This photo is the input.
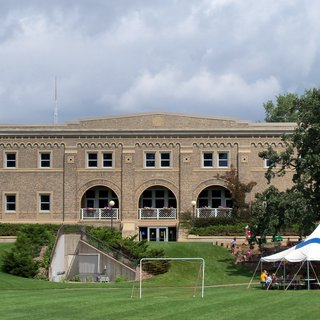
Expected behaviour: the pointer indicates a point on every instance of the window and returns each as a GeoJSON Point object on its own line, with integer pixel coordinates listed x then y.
{"type": "Point", "coordinates": [223, 160]}
{"type": "Point", "coordinates": [157, 159]}
{"type": "Point", "coordinates": [10, 202]}
{"type": "Point", "coordinates": [165, 159]}
{"type": "Point", "coordinates": [44, 202]}
{"type": "Point", "coordinates": [207, 159]}
{"type": "Point", "coordinates": [100, 198]}
{"type": "Point", "coordinates": [11, 160]}
{"type": "Point", "coordinates": [92, 160]}
{"type": "Point", "coordinates": [158, 198]}
{"type": "Point", "coordinates": [267, 163]}
{"type": "Point", "coordinates": [107, 160]}
{"type": "Point", "coordinates": [45, 159]}
{"type": "Point", "coordinates": [215, 197]}
{"type": "Point", "coordinates": [150, 159]}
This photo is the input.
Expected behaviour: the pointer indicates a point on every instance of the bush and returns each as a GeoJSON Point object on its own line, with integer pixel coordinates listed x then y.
{"type": "Point", "coordinates": [20, 262]}
{"type": "Point", "coordinates": [31, 238]}
{"type": "Point", "coordinates": [12, 229]}
{"type": "Point", "coordinates": [220, 230]}
{"type": "Point", "coordinates": [218, 221]}
{"type": "Point", "coordinates": [129, 247]}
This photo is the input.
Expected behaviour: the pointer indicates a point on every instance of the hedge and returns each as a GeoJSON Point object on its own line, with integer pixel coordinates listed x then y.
{"type": "Point", "coordinates": [12, 229]}
{"type": "Point", "coordinates": [220, 230]}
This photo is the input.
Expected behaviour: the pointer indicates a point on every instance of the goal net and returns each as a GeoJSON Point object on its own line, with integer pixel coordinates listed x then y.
{"type": "Point", "coordinates": [177, 277]}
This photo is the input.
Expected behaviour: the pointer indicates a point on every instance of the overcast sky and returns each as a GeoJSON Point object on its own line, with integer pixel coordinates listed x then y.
{"type": "Point", "coordinates": [205, 57]}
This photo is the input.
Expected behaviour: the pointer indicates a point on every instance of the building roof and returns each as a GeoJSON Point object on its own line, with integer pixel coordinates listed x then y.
{"type": "Point", "coordinates": [154, 124]}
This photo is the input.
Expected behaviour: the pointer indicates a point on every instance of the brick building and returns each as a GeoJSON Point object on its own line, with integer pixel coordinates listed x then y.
{"type": "Point", "coordinates": [136, 172]}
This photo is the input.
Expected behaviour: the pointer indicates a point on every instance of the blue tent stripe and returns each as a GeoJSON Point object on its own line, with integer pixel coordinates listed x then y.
{"type": "Point", "coordinates": [307, 242]}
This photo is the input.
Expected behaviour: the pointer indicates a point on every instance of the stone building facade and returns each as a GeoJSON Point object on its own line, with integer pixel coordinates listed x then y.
{"type": "Point", "coordinates": [137, 173]}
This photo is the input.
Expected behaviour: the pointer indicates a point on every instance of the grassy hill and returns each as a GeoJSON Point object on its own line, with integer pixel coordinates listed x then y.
{"type": "Point", "coordinates": [219, 264]}
{"type": "Point", "coordinates": [30, 299]}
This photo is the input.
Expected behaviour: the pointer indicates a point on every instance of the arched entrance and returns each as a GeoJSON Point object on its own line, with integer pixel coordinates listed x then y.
{"type": "Point", "coordinates": [214, 201]}
{"type": "Point", "coordinates": [157, 205]}
{"type": "Point", "coordinates": [100, 203]}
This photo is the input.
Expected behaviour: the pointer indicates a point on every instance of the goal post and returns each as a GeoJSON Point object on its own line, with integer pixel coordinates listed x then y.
{"type": "Point", "coordinates": [201, 262]}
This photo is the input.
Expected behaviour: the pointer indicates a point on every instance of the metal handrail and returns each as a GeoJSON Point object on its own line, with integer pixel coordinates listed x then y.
{"type": "Point", "coordinates": [106, 248]}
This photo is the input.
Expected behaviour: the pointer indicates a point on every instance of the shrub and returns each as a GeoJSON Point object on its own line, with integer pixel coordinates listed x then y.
{"type": "Point", "coordinates": [31, 238]}
{"type": "Point", "coordinates": [220, 230]}
{"type": "Point", "coordinates": [207, 222]}
{"type": "Point", "coordinates": [12, 229]}
{"type": "Point", "coordinates": [129, 247]}
{"type": "Point", "coordinates": [20, 262]}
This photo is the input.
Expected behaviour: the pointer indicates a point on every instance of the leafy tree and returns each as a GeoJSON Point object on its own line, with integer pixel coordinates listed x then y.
{"type": "Point", "coordinates": [284, 111]}
{"type": "Point", "coordinates": [21, 260]}
{"type": "Point", "coordinates": [302, 155]}
{"type": "Point", "coordinates": [273, 211]}
{"type": "Point", "coordinates": [238, 191]}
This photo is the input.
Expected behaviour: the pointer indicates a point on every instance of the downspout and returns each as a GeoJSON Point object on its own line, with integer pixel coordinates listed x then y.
{"type": "Point", "coordinates": [179, 190]}
{"type": "Point", "coordinates": [63, 184]}
{"type": "Point", "coordinates": [121, 188]}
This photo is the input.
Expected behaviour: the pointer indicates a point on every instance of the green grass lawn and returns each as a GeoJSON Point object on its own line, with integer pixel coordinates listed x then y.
{"type": "Point", "coordinates": [33, 299]}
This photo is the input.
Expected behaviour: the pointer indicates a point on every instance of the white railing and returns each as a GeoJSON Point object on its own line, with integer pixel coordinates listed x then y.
{"type": "Point", "coordinates": [157, 213]}
{"type": "Point", "coordinates": [213, 212]}
{"type": "Point", "coordinates": [99, 214]}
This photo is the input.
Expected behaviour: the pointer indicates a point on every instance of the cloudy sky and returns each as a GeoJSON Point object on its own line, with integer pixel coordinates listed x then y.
{"type": "Point", "coordinates": [111, 57]}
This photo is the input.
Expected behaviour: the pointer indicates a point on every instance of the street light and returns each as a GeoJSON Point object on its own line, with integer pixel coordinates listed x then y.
{"type": "Point", "coordinates": [194, 203]}
{"type": "Point", "coordinates": [111, 205]}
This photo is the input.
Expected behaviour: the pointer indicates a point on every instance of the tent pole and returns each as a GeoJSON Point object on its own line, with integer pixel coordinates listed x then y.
{"type": "Point", "coordinates": [314, 273]}
{"type": "Point", "coordinates": [284, 273]}
{"type": "Point", "coordinates": [275, 274]}
{"type": "Point", "coordinates": [254, 274]}
{"type": "Point", "coordinates": [308, 275]}
{"type": "Point", "coordinates": [294, 276]}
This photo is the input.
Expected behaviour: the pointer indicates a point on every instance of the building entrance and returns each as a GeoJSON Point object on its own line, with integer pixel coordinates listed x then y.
{"type": "Point", "coordinates": [157, 234]}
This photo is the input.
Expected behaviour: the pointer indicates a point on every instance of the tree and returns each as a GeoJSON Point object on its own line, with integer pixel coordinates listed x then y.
{"type": "Point", "coordinates": [273, 211]}
{"type": "Point", "coordinates": [284, 111]}
{"type": "Point", "coordinates": [238, 191]}
{"type": "Point", "coordinates": [302, 154]}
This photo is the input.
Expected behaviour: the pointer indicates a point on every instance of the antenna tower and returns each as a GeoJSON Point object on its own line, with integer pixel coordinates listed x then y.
{"type": "Point", "coordinates": [55, 113]}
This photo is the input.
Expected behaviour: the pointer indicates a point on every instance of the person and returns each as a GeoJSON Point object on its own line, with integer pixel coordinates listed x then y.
{"type": "Point", "coordinates": [263, 277]}
{"type": "Point", "coordinates": [268, 281]}
{"type": "Point", "coordinates": [274, 281]}
{"type": "Point", "coordinates": [248, 255]}
{"type": "Point", "coordinates": [233, 245]}
{"type": "Point", "coordinates": [248, 234]}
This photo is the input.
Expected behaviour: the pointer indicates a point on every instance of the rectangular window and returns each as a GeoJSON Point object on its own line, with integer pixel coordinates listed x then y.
{"type": "Point", "coordinates": [10, 202]}
{"type": "Point", "coordinates": [267, 163]}
{"type": "Point", "coordinates": [207, 159]}
{"type": "Point", "coordinates": [45, 159]}
{"type": "Point", "coordinates": [11, 161]}
{"type": "Point", "coordinates": [107, 160]}
{"type": "Point", "coordinates": [44, 202]}
{"type": "Point", "coordinates": [165, 159]}
{"type": "Point", "coordinates": [223, 159]}
{"type": "Point", "coordinates": [92, 160]}
{"type": "Point", "coordinates": [150, 159]}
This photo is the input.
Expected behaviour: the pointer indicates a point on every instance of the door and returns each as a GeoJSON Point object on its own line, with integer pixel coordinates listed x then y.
{"type": "Point", "coordinates": [163, 234]}
{"type": "Point", "coordinates": [152, 234]}
{"type": "Point", "coordinates": [157, 234]}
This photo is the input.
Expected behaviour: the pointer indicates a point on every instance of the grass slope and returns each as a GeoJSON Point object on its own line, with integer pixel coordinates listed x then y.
{"type": "Point", "coordinates": [32, 299]}
{"type": "Point", "coordinates": [219, 264]}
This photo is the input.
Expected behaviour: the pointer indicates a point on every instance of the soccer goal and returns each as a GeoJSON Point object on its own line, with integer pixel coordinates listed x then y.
{"type": "Point", "coordinates": [185, 274]}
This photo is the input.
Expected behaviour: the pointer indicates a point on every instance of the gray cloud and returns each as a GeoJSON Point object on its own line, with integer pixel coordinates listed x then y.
{"type": "Point", "coordinates": [209, 57]}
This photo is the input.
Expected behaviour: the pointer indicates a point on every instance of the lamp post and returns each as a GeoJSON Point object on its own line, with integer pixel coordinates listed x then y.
{"type": "Point", "coordinates": [111, 205]}
{"type": "Point", "coordinates": [194, 203]}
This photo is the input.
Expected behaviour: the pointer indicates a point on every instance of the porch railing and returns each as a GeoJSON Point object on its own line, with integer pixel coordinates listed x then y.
{"type": "Point", "coordinates": [99, 213]}
{"type": "Point", "coordinates": [157, 213]}
{"type": "Point", "coordinates": [213, 212]}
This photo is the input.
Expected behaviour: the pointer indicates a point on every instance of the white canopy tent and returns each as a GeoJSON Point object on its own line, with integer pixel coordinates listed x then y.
{"type": "Point", "coordinates": [305, 251]}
